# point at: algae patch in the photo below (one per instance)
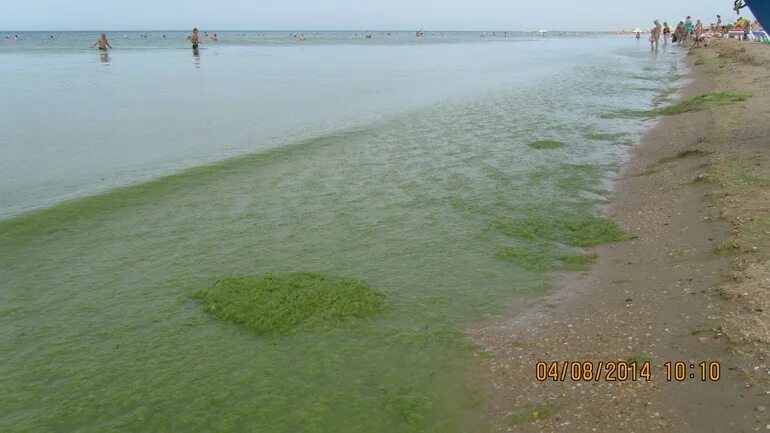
(273, 304)
(545, 258)
(547, 241)
(546, 144)
(572, 230)
(701, 102)
(695, 104)
(532, 414)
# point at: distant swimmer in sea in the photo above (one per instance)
(214, 37)
(102, 43)
(193, 37)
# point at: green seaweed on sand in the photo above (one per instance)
(546, 144)
(544, 257)
(639, 359)
(532, 414)
(695, 104)
(273, 304)
(701, 102)
(727, 246)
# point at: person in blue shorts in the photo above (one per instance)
(687, 28)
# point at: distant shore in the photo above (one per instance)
(689, 286)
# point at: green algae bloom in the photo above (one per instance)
(545, 258)
(274, 304)
(546, 144)
(553, 241)
(573, 230)
(701, 102)
(697, 103)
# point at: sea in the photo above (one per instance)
(132, 178)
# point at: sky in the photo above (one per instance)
(352, 14)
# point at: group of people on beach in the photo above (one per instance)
(698, 33)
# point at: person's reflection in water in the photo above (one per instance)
(104, 56)
(196, 57)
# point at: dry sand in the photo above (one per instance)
(692, 285)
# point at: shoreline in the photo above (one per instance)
(660, 296)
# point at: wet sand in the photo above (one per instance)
(690, 285)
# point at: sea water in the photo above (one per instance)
(130, 180)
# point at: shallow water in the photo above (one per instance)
(128, 184)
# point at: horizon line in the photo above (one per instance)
(300, 30)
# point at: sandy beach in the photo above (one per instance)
(690, 285)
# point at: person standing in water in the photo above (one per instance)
(687, 28)
(655, 36)
(194, 38)
(679, 33)
(666, 33)
(102, 43)
(698, 38)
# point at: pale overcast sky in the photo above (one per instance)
(351, 14)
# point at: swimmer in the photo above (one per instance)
(102, 43)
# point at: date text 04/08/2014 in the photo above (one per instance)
(624, 371)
